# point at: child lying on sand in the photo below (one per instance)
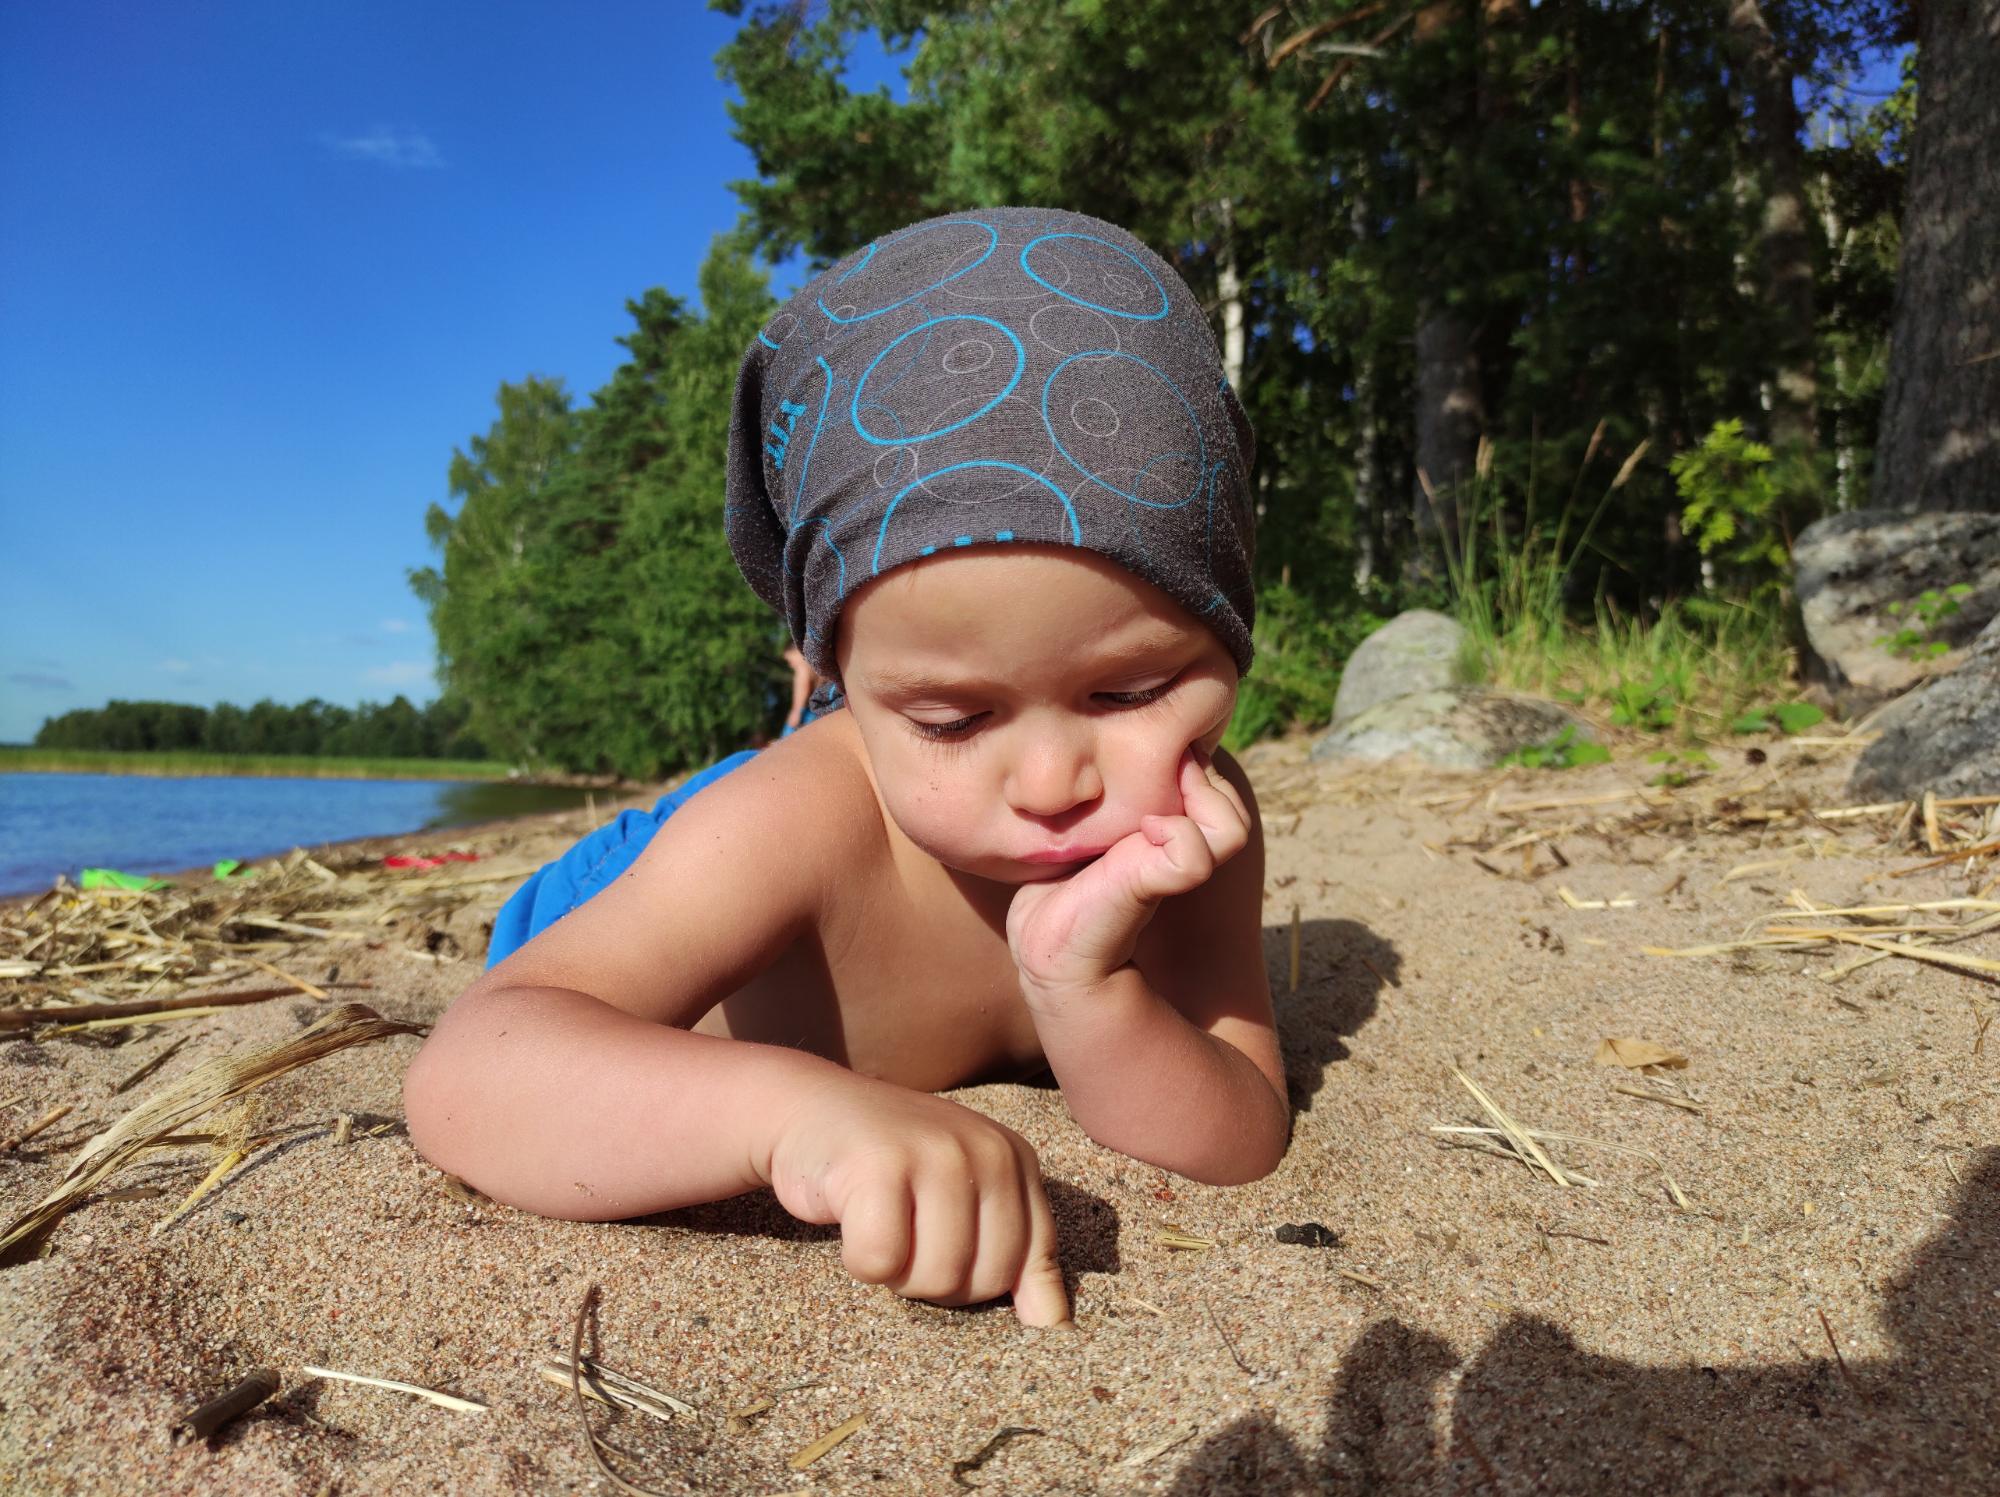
(989, 470)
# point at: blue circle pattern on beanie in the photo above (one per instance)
(1005, 375)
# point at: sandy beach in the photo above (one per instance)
(1818, 1311)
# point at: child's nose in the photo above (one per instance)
(1054, 775)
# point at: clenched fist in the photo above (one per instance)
(934, 1200)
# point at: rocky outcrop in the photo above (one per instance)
(1944, 736)
(1454, 727)
(1849, 569)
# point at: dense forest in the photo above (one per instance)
(1610, 284)
(389, 730)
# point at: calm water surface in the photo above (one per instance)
(60, 823)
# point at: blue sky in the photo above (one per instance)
(263, 266)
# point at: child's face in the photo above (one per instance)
(1025, 704)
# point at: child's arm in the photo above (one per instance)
(566, 1081)
(1179, 1068)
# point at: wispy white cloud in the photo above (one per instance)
(41, 681)
(395, 626)
(175, 667)
(387, 147)
(399, 673)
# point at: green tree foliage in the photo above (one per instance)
(1554, 219)
(394, 729)
(585, 604)
(1578, 184)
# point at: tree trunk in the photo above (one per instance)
(1451, 410)
(1786, 247)
(1229, 289)
(1940, 441)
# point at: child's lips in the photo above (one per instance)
(1065, 855)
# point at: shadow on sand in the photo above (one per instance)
(1533, 1412)
(1343, 968)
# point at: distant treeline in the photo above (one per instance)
(394, 729)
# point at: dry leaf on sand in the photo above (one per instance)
(1637, 1054)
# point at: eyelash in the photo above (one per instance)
(954, 732)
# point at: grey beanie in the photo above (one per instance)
(1000, 375)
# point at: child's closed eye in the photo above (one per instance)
(961, 728)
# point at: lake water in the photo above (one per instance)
(60, 823)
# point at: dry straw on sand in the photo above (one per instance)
(168, 1112)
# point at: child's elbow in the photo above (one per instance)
(432, 1102)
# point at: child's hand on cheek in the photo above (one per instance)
(1068, 934)
(934, 1200)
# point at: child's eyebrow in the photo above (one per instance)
(1145, 649)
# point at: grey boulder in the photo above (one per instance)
(1944, 736)
(1850, 568)
(1453, 727)
(1415, 651)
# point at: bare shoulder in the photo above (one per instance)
(733, 878)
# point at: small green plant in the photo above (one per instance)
(1651, 705)
(1564, 751)
(1780, 717)
(1681, 767)
(1925, 612)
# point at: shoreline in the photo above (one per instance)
(587, 817)
(266, 768)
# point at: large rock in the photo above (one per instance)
(1415, 651)
(1944, 736)
(1848, 570)
(1454, 727)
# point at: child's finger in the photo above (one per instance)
(1039, 1297)
(875, 1231)
(947, 1218)
(1003, 1239)
(1212, 803)
(1187, 864)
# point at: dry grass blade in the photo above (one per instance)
(1524, 1144)
(23, 1018)
(826, 1442)
(1648, 1155)
(1958, 959)
(130, 1021)
(591, 1444)
(41, 1124)
(1616, 902)
(223, 1166)
(1625, 1089)
(443, 1400)
(309, 989)
(608, 1387)
(207, 1086)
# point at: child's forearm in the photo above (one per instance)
(1139, 1078)
(558, 1103)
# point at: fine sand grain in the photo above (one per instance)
(1463, 1324)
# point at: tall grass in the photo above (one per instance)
(1692, 666)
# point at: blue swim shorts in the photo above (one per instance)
(588, 868)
